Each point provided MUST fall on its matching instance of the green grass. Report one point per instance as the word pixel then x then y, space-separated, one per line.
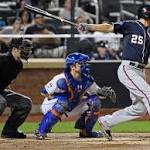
pixel 132 126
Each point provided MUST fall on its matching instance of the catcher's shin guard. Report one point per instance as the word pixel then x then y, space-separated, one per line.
pixel 88 119
pixel 48 121
pixel 86 124
pixel 80 123
pixel 89 124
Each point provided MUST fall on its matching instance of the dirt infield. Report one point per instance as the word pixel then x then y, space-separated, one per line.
pixel 70 141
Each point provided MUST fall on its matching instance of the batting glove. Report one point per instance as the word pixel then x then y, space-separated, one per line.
pixel 82 27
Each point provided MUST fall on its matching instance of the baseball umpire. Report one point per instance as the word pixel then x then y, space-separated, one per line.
pixel 136 50
pixel 10 66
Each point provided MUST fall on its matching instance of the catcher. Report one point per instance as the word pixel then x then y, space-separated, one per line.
pixel 73 93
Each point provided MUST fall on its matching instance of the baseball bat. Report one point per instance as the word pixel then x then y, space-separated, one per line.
pixel 45 13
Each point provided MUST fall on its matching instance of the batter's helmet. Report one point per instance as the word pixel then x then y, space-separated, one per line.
pixel 102 44
pixel 24 45
pixel 144 11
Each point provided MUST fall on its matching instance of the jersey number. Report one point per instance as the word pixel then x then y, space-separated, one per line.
pixel 137 39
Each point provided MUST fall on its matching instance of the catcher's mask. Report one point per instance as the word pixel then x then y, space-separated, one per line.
pixel 80 58
pixel 24 45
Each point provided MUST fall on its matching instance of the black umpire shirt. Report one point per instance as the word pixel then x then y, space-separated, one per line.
pixel 9 69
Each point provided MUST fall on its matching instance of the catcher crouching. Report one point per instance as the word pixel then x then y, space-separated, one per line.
pixel 73 93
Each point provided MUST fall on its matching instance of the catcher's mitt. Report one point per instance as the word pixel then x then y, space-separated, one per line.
pixel 108 93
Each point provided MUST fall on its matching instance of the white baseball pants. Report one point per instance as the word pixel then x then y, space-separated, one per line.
pixel 133 79
pixel 76 112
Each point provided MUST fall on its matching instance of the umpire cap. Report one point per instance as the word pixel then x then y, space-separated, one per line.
pixel 144 11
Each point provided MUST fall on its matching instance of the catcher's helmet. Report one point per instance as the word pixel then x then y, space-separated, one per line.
pixel 144 11
pixel 78 58
pixel 24 45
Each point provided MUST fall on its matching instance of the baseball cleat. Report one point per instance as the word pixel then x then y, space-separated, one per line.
pixel 106 131
pixel 39 136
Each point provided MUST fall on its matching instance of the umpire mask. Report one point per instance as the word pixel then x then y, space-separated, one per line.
pixel 24 45
pixel 26 49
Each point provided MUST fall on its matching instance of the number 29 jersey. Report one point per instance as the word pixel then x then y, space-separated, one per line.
pixel 136 40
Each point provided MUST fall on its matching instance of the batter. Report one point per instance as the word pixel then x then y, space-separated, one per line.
pixel 136 50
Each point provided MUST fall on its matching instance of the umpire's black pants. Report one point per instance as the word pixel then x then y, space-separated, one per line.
pixel 20 106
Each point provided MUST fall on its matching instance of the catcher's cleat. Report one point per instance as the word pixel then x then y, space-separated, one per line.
pixel 105 129
pixel 39 136
pixel 84 134
pixel 16 134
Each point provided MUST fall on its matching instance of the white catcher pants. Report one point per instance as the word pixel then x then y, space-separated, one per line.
pixel 134 80
pixel 76 112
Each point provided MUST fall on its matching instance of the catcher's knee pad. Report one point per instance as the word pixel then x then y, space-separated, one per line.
pixel 48 121
pixel 61 105
pixel 93 103
pixel 80 123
